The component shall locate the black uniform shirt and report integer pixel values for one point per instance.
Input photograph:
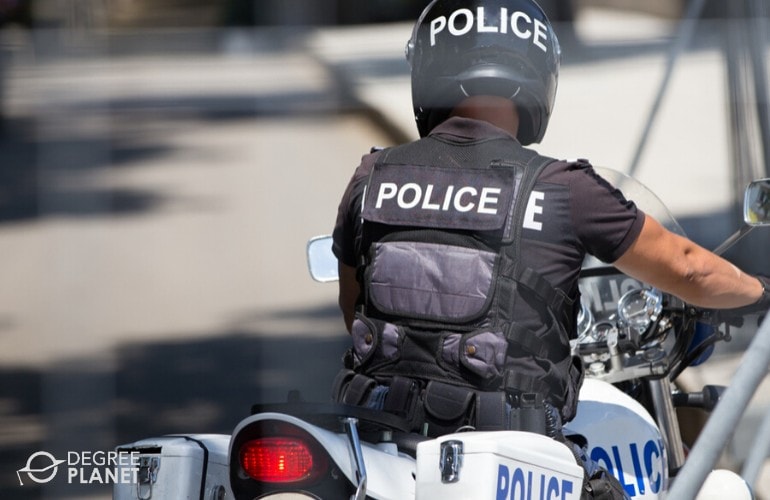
(572, 211)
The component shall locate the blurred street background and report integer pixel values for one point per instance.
(164, 162)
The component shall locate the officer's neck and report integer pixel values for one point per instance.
(498, 111)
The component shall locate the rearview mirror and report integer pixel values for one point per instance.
(756, 203)
(321, 260)
(756, 212)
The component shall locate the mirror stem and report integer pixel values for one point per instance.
(732, 240)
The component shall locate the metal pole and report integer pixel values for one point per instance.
(758, 453)
(725, 418)
(737, 88)
(758, 51)
(684, 36)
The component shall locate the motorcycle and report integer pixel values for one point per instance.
(633, 341)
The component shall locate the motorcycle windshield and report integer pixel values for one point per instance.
(601, 285)
(645, 199)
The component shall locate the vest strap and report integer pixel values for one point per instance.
(532, 280)
(518, 382)
(526, 339)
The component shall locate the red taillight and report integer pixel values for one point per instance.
(279, 460)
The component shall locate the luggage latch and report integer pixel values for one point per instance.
(451, 461)
(146, 476)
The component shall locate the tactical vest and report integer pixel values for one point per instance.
(441, 272)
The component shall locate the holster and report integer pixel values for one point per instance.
(529, 414)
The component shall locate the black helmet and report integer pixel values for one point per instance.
(461, 48)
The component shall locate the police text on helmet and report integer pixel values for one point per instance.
(462, 21)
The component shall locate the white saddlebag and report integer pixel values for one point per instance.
(178, 467)
(497, 466)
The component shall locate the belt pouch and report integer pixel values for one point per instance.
(447, 407)
(529, 415)
(340, 383)
(402, 397)
(491, 411)
(358, 389)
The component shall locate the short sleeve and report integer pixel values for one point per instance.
(347, 226)
(606, 223)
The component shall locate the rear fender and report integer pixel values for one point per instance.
(390, 474)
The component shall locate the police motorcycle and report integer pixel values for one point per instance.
(633, 341)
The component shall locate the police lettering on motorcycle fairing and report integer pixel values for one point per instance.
(462, 21)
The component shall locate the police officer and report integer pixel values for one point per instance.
(459, 253)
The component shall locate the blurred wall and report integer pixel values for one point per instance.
(664, 8)
(204, 13)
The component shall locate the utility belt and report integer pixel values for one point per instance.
(477, 358)
(436, 408)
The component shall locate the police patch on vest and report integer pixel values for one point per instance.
(439, 197)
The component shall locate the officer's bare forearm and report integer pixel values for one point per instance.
(679, 266)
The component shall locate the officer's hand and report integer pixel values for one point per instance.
(761, 306)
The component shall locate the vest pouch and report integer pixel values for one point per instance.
(375, 342)
(447, 407)
(483, 353)
(438, 282)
